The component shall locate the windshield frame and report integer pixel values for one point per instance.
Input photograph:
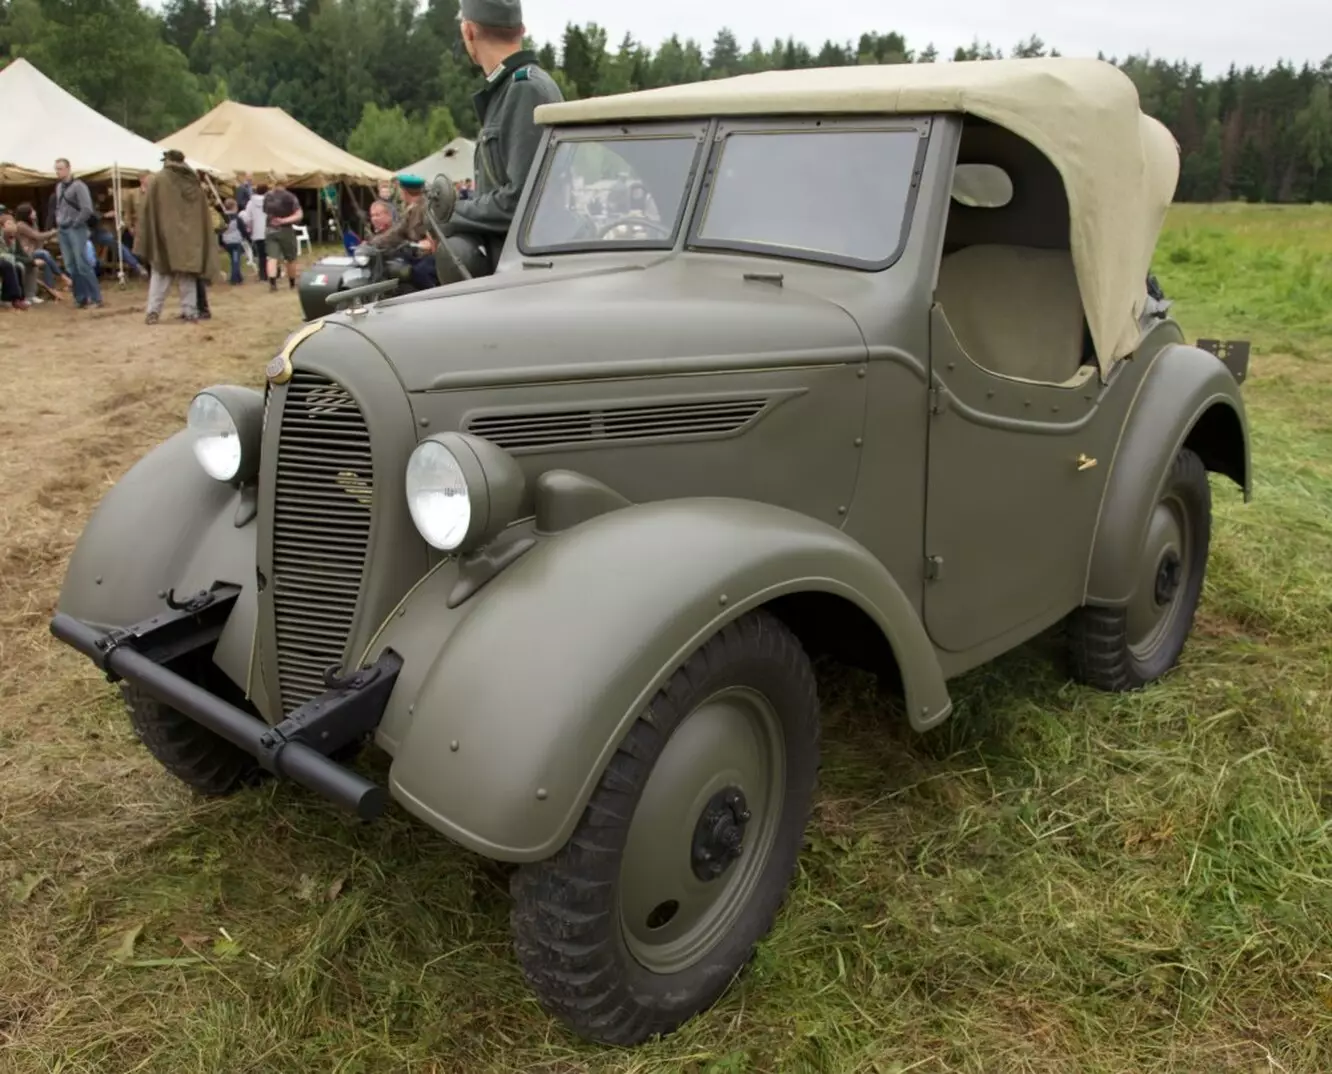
(697, 130)
(810, 126)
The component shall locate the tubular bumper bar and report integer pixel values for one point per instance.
(349, 710)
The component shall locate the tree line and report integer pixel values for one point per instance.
(386, 79)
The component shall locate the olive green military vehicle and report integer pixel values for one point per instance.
(862, 362)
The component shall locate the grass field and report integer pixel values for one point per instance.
(1055, 881)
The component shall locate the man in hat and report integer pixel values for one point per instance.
(492, 33)
(410, 227)
(175, 236)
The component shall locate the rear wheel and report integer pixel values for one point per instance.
(204, 761)
(1129, 647)
(685, 852)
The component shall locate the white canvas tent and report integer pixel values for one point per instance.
(41, 122)
(456, 160)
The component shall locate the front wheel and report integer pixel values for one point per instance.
(684, 854)
(1126, 648)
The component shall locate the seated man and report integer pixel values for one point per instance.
(410, 228)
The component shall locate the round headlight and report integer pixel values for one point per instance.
(437, 495)
(227, 425)
(462, 491)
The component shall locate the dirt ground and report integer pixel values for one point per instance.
(87, 393)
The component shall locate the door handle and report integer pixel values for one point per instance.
(1084, 463)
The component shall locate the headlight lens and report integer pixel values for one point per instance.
(227, 424)
(437, 496)
(217, 442)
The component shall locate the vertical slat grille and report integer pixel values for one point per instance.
(321, 528)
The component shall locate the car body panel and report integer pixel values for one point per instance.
(121, 571)
(539, 682)
(587, 320)
(1183, 384)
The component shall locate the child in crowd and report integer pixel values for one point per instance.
(231, 239)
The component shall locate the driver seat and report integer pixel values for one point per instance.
(1016, 311)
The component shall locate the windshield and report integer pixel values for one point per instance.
(834, 195)
(612, 193)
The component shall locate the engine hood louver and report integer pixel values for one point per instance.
(615, 423)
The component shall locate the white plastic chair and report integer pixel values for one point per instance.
(302, 236)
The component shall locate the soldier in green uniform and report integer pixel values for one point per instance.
(410, 227)
(492, 33)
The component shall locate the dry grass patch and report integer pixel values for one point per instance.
(1056, 881)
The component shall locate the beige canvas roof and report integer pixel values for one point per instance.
(1119, 166)
(267, 142)
(41, 121)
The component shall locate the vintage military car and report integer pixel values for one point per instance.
(871, 368)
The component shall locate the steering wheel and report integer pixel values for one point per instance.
(634, 221)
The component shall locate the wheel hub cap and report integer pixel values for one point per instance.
(1169, 574)
(720, 833)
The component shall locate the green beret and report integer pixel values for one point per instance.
(411, 182)
(503, 14)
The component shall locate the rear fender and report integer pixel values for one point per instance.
(543, 672)
(1189, 398)
(165, 525)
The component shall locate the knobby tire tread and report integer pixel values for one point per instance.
(564, 916)
(1098, 638)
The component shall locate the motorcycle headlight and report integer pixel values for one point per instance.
(462, 491)
(227, 424)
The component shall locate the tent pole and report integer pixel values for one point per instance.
(115, 211)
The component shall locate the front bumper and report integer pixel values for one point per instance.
(298, 748)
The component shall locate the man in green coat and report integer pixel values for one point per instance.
(175, 236)
(492, 33)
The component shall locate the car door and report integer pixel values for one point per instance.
(1016, 471)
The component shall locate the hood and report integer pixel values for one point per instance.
(535, 324)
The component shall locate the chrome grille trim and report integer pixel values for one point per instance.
(322, 510)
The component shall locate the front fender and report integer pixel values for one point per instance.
(541, 678)
(165, 525)
(1188, 398)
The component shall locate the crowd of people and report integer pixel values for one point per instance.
(174, 226)
(171, 231)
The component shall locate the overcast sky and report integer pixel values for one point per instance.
(1210, 32)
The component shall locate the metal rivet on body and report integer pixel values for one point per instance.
(98, 580)
(542, 794)
(723, 600)
(841, 510)
(860, 441)
(424, 422)
(453, 746)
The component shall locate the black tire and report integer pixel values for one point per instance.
(202, 760)
(1103, 650)
(567, 919)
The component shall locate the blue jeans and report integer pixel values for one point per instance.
(73, 241)
(49, 269)
(234, 250)
(107, 241)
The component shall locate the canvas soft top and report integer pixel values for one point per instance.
(1119, 166)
